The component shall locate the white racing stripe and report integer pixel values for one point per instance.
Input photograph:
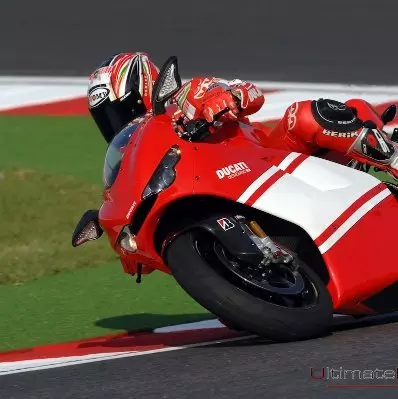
(266, 176)
(288, 160)
(328, 176)
(354, 218)
(257, 184)
(315, 194)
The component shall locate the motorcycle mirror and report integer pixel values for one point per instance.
(87, 229)
(167, 84)
(389, 114)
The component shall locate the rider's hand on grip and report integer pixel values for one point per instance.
(198, 129)
(217, 100)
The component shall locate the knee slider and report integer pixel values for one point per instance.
(334, 115)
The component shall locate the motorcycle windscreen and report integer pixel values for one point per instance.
(115, 153)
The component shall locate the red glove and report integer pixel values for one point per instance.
(205, 97)
(250, 97)
(217, 100)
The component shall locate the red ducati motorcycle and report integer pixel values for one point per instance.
(272, 242)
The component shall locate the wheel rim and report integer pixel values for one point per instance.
(280, 284)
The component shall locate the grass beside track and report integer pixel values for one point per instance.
(50, 172)
(39, 212)
(68, 146)
(90, 302)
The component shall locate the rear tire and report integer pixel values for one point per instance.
(240, 307)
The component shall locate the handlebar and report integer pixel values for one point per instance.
(199, 128)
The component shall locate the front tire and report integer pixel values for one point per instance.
(237, 304)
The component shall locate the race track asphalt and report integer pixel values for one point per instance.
(294, 40)
(306, 40)
(247, 369)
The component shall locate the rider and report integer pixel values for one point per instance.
(120, 91)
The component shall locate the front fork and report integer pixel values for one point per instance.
(244, 240)
(271, 251)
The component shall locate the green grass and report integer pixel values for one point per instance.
(90, 302)
(50, 172)
(39, 212)
(383, 176)
(53, 145)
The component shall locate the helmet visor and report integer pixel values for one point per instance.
(111, 117)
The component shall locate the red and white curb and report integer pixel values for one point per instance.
(116, 346)
(66, 95)
(160, 340)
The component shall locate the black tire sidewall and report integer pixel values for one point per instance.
(231, 303)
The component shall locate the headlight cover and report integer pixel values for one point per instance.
(165, 173)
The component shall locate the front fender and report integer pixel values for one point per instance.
(229, 232)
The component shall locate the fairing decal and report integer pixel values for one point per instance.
(324, 198)
(257, 184)
(288, 160)
(354, 218)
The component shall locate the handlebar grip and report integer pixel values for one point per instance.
(199, 128)
(218, 115)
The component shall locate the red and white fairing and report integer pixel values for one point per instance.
(348, 214)
(340, 210)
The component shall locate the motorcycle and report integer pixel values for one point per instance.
(269, 241)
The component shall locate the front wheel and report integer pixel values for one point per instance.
(284, 304)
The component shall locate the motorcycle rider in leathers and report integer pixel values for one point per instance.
(120, 92)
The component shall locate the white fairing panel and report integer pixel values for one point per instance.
(315, 194)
